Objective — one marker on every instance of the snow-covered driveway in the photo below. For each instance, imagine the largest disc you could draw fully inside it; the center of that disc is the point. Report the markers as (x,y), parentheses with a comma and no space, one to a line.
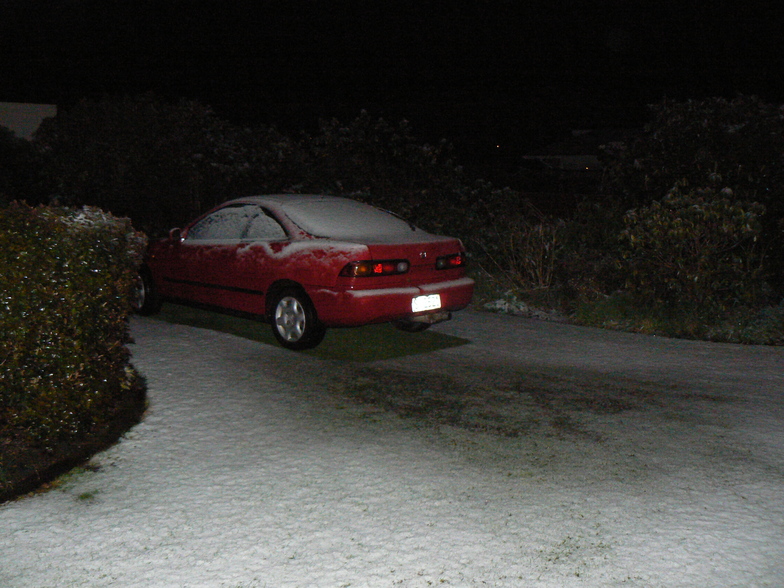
(538,454)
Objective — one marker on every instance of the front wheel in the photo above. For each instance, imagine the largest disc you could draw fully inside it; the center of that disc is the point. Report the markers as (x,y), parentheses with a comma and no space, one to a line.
(294,321)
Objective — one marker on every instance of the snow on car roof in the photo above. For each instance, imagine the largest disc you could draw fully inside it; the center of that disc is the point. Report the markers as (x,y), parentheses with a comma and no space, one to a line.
(339,218)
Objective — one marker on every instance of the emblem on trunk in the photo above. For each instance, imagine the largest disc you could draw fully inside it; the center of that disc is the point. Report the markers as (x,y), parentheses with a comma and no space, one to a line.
(423,254)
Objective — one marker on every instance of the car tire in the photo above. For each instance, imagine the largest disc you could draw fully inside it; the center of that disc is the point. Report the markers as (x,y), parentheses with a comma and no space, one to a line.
(410,326)
(294,320)
(146,301)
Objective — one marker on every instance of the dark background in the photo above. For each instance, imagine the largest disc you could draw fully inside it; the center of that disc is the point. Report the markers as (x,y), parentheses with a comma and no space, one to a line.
(495,78)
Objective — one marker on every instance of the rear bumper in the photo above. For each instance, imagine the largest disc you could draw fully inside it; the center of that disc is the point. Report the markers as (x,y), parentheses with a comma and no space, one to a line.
(350,308)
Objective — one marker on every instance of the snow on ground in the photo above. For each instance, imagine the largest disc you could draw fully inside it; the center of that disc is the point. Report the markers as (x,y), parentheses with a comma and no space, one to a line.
(250,469)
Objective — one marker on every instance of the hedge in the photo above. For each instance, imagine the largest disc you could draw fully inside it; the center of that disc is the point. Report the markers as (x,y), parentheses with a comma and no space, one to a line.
(66,287)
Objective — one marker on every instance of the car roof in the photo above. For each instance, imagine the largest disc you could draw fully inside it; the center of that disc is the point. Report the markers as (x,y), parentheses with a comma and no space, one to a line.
(283,199)
(340,218)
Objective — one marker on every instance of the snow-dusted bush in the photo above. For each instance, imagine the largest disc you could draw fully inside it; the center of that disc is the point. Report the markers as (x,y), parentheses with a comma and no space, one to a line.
(66,287)
(695,249)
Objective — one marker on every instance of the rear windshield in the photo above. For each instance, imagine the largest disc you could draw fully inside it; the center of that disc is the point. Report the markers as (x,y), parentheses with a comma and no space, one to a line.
(346,219)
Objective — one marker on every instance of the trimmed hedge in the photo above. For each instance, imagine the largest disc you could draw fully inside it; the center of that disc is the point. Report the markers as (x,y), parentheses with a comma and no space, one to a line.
(66,287)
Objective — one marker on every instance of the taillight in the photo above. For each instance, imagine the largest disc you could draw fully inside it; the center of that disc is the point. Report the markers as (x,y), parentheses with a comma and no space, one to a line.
(451,261)
(369,268)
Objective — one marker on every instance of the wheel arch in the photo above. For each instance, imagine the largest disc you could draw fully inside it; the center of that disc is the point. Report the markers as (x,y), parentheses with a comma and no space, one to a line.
(276,288)
(150,302)
(295,324)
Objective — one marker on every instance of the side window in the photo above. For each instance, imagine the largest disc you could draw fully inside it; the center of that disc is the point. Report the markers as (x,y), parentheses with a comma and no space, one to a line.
(263,227)
(225,224)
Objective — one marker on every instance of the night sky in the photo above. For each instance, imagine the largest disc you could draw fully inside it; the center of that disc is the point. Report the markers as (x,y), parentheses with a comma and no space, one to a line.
(484,73)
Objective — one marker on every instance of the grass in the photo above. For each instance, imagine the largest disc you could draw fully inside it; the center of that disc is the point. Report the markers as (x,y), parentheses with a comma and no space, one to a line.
(510,404)
(764,326)
(369,343)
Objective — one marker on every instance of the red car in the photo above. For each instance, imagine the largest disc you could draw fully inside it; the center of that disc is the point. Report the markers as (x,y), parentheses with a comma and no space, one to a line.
(306,263)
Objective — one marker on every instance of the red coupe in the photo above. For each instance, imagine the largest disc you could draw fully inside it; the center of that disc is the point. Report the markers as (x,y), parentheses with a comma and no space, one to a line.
(307,262)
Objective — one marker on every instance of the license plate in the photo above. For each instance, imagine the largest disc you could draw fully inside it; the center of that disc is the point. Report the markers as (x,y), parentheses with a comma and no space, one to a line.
(429,302)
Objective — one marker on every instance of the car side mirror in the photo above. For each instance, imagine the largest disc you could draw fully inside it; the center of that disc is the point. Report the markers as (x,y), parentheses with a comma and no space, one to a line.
(175,235)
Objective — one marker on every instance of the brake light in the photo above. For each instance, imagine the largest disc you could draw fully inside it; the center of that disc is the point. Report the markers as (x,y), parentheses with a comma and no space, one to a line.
(451,261)
(371,268)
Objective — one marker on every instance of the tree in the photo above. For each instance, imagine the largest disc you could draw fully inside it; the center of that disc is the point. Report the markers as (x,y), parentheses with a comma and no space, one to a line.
(19,169)
(374,157)
(710,146)
(159,163)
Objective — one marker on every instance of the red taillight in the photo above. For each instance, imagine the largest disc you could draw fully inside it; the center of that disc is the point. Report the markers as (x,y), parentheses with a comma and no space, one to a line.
(451,261)
(371,268)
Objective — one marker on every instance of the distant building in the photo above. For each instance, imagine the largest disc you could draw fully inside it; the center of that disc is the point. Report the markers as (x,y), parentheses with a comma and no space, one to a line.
(584,162)
(580,151)
(24,119)
(559,176)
